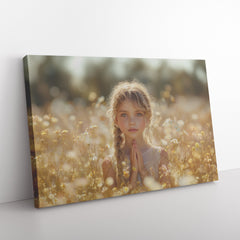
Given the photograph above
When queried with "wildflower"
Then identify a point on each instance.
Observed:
(167, 122)
(164, 142)
(109, 181)
(43, 133)
(51, 196)
(54, 120)
(92, 96)
(101, 99)
(175, 141)
(123, 163)
(152, 184)
(125, 189)
(180, 123)
(197, 145)
(93, 127)
(126, 174)
(186, 180)
(190, 160)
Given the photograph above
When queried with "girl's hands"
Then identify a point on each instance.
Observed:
(134, 159)
(137, 161)
(134, 166)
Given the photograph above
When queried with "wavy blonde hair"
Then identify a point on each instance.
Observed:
(137, 93)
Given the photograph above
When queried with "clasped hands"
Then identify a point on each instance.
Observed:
(136, 164)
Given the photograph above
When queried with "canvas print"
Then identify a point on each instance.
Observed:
(105, 127)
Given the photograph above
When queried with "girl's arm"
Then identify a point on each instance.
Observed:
(164, 170)
(108, 171)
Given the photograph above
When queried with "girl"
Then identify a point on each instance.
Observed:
(136, 157)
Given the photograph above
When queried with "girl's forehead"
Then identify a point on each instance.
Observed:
(129, 105)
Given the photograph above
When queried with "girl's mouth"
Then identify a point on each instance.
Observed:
(132, 130)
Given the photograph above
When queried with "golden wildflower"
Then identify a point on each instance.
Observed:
(125, 189)
(54, 120)
(175, 141)
(126, 174)
(123, 163)
(152, 184)
(190, 160)
(92, 96)
(43, 133)
(51, 196)
(164, 185)
(197, 145)
(64, 131)
(109, 181)
(186, 180)
(180, 123)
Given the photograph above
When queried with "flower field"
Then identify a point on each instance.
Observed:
(71, 142)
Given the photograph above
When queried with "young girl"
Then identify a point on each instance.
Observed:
(136, 157)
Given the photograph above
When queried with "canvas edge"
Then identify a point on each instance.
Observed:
(30, 130)
(205, 65)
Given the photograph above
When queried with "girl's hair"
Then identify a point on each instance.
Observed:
(137, 93)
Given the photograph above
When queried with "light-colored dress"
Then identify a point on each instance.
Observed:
(151, 160)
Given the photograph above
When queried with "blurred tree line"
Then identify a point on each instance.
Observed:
(54, 80)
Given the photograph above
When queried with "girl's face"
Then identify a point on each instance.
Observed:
(131, 119)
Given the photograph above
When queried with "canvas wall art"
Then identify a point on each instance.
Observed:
(106, 127)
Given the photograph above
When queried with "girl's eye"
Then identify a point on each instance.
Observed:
(123, 115)
(139, 114)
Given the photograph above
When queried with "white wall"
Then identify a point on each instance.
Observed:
(127, 28)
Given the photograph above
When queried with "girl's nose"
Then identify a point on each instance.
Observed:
(132, 120)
